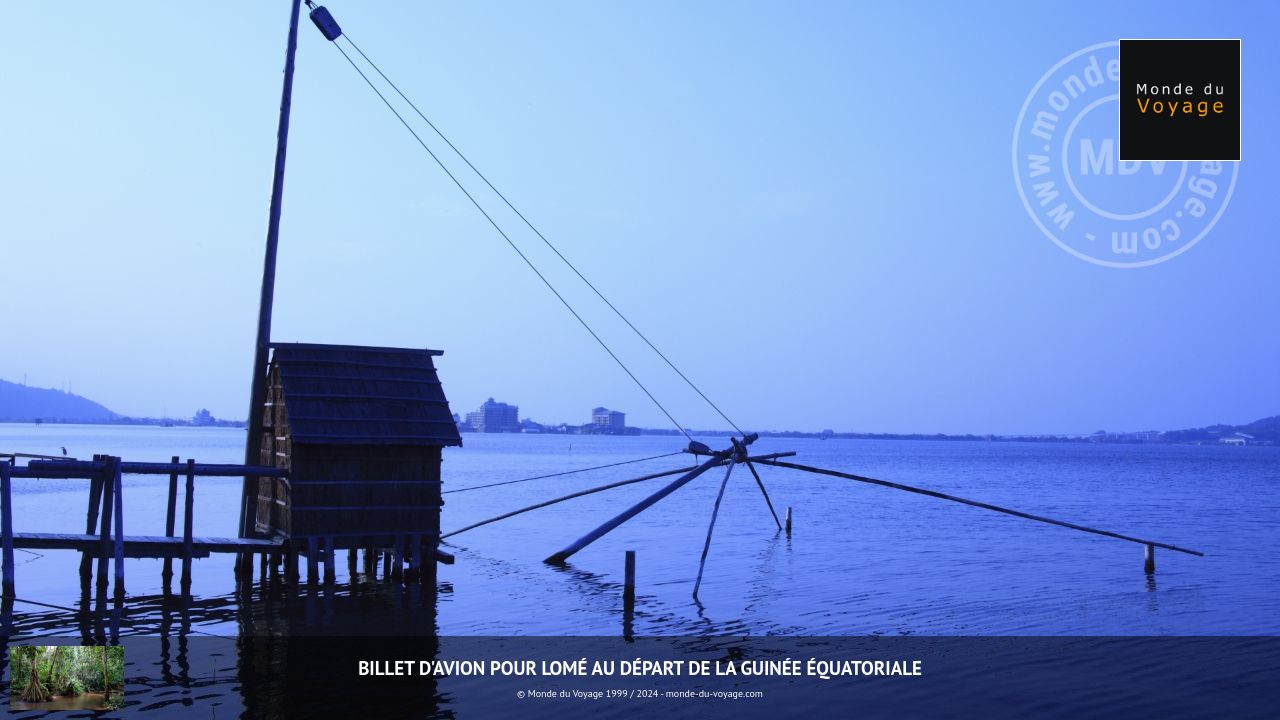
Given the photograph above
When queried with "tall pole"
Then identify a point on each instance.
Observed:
(261, 348)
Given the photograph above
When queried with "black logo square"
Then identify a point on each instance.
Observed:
(1179, 99)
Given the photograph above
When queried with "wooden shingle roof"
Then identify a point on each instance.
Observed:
(356, 395)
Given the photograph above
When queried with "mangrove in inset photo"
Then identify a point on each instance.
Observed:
(66, 677)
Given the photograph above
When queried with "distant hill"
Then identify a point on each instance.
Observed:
(1265, 430)
(21, 403)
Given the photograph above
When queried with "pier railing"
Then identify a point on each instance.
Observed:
(104, 536)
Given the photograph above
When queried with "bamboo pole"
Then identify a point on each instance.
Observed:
(975, 503)
(570, 496)
(715, 512)
(764, 492)
(590, 491)
(634, 510)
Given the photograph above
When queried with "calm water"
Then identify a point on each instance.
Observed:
(862, 560)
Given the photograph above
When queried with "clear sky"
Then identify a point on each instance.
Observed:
(808, 205)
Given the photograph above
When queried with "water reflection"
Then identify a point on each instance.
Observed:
(270, 649)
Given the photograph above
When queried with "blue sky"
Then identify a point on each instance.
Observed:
(809, 206)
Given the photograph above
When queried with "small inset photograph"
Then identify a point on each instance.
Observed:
(66, 677)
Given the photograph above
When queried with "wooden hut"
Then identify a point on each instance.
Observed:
(360, 430)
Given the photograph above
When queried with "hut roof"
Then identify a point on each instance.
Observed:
(356, 395)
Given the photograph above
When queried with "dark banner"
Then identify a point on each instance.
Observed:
(564, 677)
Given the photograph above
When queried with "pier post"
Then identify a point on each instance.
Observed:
(188, 521)
(369, 566)
(117, 485)
(629, 596)
(91, 521)
(291, 565)
(330, 556)
(313, 574)
(629, 583)
(104, 535)
(351, 564)
(6, 529)
(788, 521)
(1149, 560)
(415, 557)
(171, 518)
(397, 560)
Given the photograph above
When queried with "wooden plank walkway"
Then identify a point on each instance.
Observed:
(145, 546)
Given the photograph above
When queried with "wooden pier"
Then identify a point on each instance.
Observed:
(104, 538)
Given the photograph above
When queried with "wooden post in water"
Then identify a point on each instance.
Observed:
(629, 583)
(170, 519)
(351, 564)
(369, 564)
(6, 529)
(788, 521)
(91, 520)
(313, 574)
(330, 556)
(415, 557)
(117, 484)
(1149, 559)
(397, 560)
(188, 522)
(104, 535)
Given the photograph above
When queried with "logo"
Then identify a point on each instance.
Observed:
(1082, 196)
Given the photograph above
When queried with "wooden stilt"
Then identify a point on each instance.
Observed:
(788, 522)
(629, 583)
(117, 482)
(386, 565)
(1149, 560)
(312, 550)
(188, 521)
(262, 566)
(397, 560)
(415, 557)
(104, 535)
(291, 565)
(351, 564)
(91, 520)
(6, 529)
(330, 555)
(368, 561)
(170, 519)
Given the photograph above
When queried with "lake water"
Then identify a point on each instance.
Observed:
(862, 560)
(867, 572)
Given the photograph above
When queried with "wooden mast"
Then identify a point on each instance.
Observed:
(262, 343)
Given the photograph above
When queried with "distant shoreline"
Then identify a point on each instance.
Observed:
(1213, 435)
